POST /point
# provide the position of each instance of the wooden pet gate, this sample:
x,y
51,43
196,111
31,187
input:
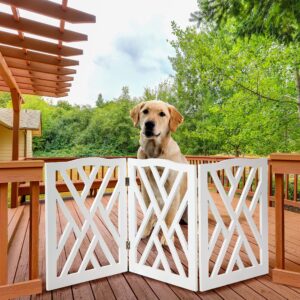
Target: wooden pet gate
x,y
93,237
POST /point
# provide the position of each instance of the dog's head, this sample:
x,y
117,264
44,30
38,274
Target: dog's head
x,y
156,118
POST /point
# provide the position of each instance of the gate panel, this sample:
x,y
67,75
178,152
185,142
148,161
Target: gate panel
x,y
233,227
86,237
175,262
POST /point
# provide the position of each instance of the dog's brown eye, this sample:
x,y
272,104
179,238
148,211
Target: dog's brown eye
x,y
145,111
162,114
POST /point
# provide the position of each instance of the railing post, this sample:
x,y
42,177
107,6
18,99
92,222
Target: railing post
x,y
34,232
3,234
14,202
270,183
295,187
279,220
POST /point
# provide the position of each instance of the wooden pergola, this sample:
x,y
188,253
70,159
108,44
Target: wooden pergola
x,y
34,66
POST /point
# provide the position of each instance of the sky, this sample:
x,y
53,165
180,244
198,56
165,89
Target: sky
x,y
128,45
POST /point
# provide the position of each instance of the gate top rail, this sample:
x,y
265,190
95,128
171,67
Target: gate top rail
x,y
86,161
240,162
158,162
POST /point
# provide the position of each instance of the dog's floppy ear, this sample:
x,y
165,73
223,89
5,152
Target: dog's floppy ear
x,y
135,113
175,118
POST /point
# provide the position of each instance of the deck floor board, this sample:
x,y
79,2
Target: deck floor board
x,y
132,286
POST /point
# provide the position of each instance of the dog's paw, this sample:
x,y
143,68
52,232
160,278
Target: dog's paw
x,y
147,232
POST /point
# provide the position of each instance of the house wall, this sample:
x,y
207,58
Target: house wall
x,y
29,143
6,143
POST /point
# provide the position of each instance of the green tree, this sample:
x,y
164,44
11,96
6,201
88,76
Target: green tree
x,y
64,104
4,99
125,95
110,130
236,95
164,91
278,19
100,100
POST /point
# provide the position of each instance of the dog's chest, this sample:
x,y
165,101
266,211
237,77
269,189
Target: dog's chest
x,y
152,149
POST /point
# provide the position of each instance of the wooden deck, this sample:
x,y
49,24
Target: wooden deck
x,y
131,286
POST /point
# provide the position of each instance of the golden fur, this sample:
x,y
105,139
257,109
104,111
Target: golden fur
x,y
161,145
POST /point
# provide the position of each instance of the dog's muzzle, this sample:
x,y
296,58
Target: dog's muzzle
x,y
149,129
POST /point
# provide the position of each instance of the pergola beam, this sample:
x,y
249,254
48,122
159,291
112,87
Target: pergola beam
x,y
36,87
42,82
10,81
36,57
35,44
37,92
40,88
53,10
40,75
38,67
41,29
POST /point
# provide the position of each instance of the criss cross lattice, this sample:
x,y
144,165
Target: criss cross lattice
x,y
89,224
235,232
159,209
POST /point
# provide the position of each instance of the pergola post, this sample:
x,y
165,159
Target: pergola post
x,y
15,142
42,71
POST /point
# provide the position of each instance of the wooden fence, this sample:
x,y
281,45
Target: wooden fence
x,y
14,172
282,166
291,181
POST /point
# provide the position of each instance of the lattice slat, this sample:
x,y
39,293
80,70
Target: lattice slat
x,y
89,231
155,176
234,235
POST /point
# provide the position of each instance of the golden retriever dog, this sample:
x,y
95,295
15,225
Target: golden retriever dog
x,y
157,121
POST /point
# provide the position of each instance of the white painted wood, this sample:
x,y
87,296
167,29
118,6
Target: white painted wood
x,y
135,198
210,280
53,200
160,202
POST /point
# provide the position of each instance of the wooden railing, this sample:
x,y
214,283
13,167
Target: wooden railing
x,y
283,165
12,172
282,192
291,190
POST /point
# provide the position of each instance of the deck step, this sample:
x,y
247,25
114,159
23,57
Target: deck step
x,y
14,218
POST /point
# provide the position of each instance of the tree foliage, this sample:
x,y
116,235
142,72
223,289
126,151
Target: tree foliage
x,y
100,100
72,130
4,99
238,95
279,19
236,81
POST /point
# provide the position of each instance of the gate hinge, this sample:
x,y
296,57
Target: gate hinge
x,y
127,181
128,245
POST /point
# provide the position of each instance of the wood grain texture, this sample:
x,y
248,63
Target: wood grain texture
x,y
3,233
21,289
37,45
41,29
286,277
36,57
34,230
134,286
53,10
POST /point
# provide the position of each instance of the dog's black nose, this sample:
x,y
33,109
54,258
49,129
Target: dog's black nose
x,y
149,125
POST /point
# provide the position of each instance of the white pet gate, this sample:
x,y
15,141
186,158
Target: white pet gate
x,y
224,242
